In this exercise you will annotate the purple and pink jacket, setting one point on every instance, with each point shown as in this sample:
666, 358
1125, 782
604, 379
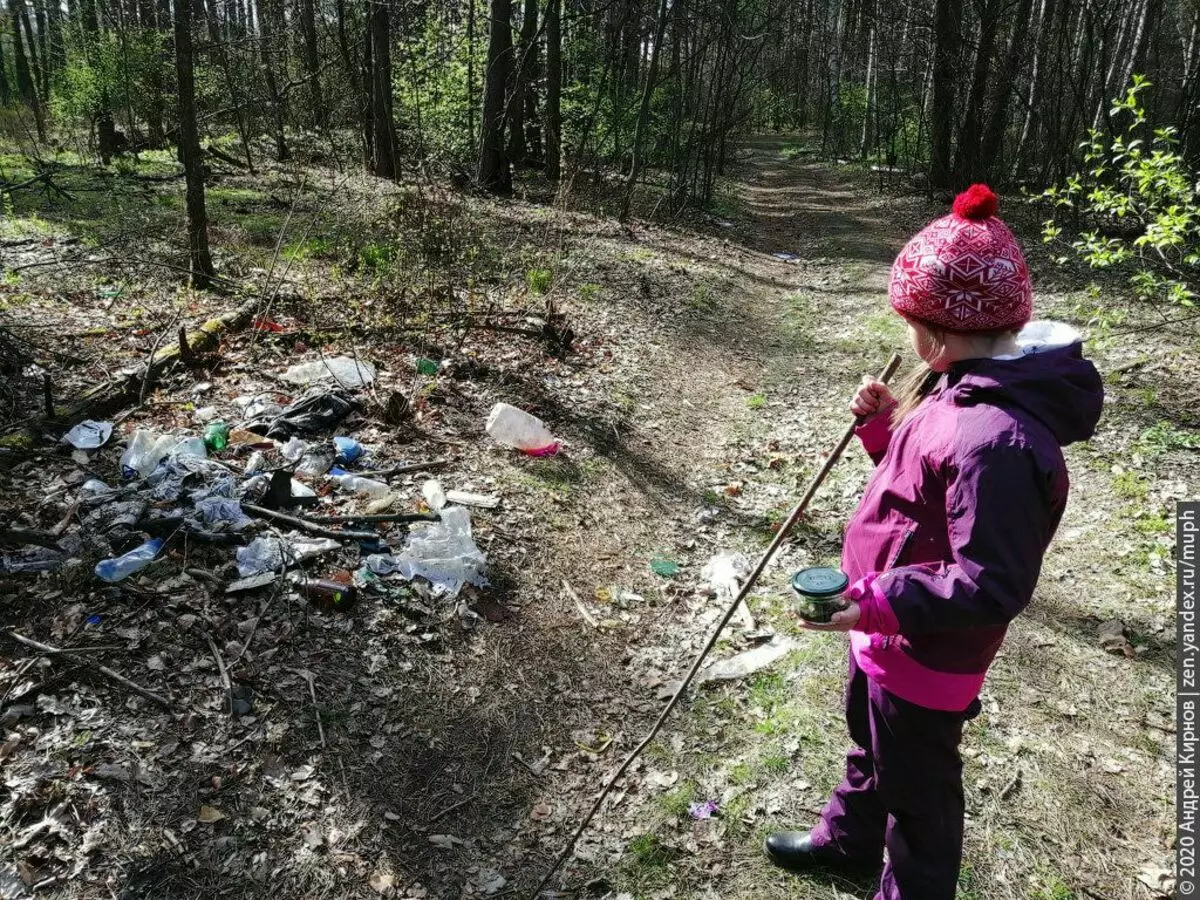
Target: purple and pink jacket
947, 543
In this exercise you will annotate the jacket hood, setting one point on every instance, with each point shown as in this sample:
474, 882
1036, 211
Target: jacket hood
1049, 379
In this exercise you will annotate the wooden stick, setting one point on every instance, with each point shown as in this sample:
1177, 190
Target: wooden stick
386, 517
408, 467
216, 652
103, 670
264, 513
312, 692
780, 536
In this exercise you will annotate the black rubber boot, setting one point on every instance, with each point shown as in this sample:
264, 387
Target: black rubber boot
794, 851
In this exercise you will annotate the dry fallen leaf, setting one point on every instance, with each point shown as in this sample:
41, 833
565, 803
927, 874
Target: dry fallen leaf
210, 814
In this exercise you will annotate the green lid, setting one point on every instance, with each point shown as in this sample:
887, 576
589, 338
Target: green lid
820, 581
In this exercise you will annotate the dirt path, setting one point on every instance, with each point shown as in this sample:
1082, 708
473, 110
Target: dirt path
1067, 783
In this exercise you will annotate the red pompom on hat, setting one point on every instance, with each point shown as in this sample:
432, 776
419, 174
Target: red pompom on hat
964, 271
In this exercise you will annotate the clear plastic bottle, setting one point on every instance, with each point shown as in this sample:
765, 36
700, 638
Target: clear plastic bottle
356, 484
144, 452
516, 428
135, 560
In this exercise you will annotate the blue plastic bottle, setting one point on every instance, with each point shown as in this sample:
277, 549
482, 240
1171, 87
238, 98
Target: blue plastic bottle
135, 560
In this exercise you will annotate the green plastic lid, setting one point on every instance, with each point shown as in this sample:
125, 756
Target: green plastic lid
820, 582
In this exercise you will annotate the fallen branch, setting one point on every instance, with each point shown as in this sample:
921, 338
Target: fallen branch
216, 652
311, 528
383, 517
18, 537
112, 395
103, 670
407, 468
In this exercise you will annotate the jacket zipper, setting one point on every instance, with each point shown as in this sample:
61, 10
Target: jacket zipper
909, 534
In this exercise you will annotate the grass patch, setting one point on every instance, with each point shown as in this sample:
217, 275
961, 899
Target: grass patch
589, 291
677, 802
756, 401
539, 281
1129, 486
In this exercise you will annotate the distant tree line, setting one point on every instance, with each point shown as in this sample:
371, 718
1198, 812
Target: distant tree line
656, 91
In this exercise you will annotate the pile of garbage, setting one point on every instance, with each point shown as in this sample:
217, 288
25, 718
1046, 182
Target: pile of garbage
253, 489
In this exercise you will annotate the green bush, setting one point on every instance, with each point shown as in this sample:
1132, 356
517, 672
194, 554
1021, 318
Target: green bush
1136, 207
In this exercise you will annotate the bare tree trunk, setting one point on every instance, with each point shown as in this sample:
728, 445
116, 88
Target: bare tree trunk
554, 89
189, 149
383, 129
946, 38
43, 34
639, 135
495, 175
993, 133
864, 144
270, 15
312, 65
522, 92
6, 94
1034, 99
25, 57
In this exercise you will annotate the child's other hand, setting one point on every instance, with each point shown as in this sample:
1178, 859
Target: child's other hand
842, 620
872, 396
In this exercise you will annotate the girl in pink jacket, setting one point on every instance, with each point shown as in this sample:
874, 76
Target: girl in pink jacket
947, 542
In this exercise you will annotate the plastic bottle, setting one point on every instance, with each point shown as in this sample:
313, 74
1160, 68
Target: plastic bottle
516, 428
356, 484
135, 560
216, 436
192, 446
144, 452
348, 450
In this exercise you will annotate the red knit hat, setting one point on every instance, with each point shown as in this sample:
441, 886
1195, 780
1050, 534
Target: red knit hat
964, 271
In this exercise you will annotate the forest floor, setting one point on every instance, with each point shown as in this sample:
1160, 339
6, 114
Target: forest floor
447, 749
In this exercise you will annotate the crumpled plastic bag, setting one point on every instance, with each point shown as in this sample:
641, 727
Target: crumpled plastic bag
89, 435
263, 554
444, 553
342, 370
318, 409
220, 512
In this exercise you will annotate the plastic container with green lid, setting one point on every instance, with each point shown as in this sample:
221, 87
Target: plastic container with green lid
819, 593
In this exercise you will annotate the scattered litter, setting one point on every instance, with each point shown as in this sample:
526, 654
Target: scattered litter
435, 497
32, 561
724, 573
427, 366
383, 563
342, 369
520, 430
293, 449
113, 570
703, 810
93, 489
348, 450
263, 554
316, 460
219, 511
480, 501
216, 436
357, 484
145, 451
786, 257
256, 463
252, 582
748, 662
445, 553
667, 568
89, 435
318, 409
304, 549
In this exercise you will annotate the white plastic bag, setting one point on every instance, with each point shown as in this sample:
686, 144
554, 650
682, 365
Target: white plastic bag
444, 553
342, 369
516, 428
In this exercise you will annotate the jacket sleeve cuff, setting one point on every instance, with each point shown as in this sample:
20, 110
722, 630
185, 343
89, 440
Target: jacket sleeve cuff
876, 432
875, 612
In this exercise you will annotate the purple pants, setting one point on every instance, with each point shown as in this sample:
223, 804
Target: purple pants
902, 790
